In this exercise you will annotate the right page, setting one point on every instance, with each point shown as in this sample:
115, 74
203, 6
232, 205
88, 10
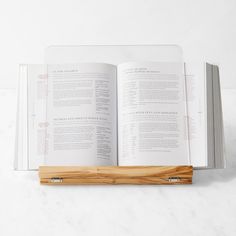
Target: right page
152, 127
196, 94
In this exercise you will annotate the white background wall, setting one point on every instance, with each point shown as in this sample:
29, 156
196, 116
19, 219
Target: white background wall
206, 29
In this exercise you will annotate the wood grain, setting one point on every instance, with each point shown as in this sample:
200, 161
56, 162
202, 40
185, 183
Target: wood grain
64, 175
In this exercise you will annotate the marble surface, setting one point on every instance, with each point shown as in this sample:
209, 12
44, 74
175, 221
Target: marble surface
208, 207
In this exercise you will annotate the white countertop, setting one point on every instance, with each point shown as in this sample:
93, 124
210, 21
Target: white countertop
208, 207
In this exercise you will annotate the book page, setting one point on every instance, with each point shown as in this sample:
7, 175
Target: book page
36, 114
195, 74
21, 161
151, 114
81, 115
31, 115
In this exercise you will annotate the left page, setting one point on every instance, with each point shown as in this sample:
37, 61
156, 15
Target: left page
81, 115
31, 126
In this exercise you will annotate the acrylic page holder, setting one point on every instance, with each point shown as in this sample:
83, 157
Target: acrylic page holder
114, 54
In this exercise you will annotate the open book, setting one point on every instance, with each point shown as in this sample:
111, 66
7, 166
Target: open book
136, 113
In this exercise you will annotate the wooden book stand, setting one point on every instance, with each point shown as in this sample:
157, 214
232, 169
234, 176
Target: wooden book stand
81, 175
